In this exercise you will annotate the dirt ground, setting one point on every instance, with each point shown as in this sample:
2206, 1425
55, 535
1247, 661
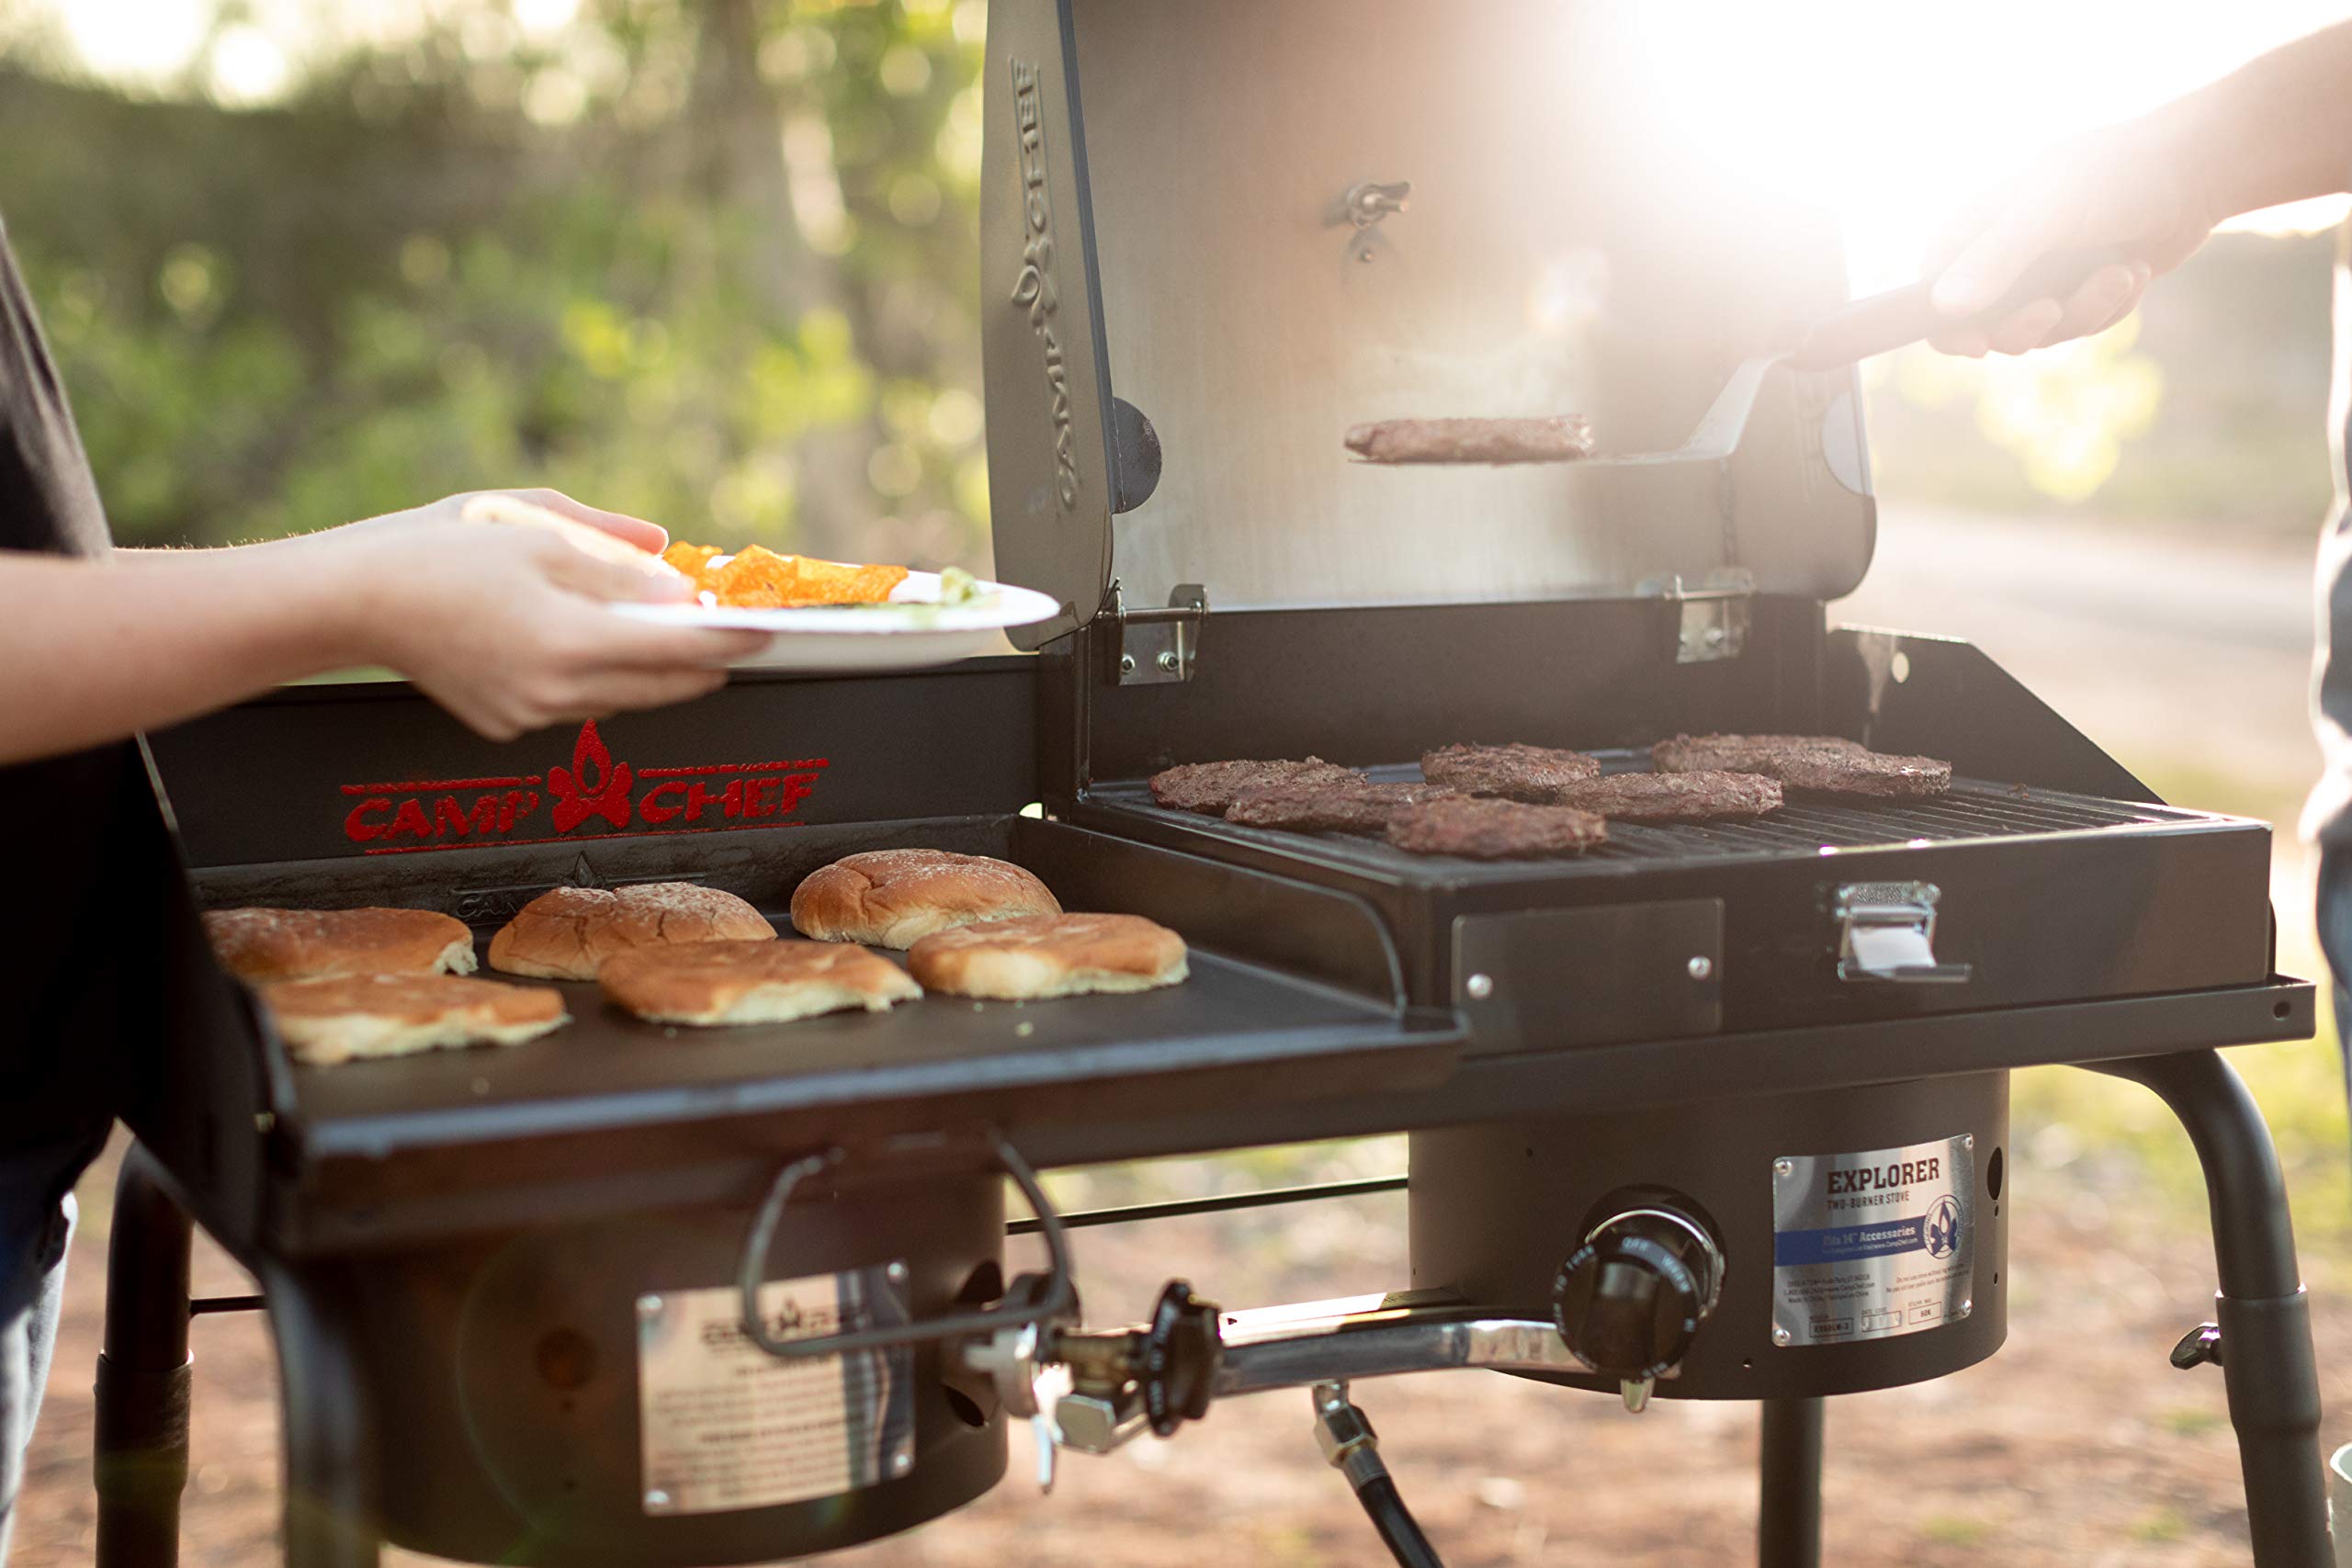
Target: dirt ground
2076, 1445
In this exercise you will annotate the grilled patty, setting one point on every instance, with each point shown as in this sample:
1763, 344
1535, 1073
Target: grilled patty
1211, 787
1319, 806
1556, 439
1515, 772
1674, 797
1824, 764
1494, 830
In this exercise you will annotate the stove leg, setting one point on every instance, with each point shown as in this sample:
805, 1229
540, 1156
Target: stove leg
140, 1448
330, 1435
1788, 1516
2265, 1318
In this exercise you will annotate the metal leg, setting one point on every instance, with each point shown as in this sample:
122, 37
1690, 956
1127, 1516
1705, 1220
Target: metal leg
1788, 1515
331, 1509
2266, 1340
139, 1461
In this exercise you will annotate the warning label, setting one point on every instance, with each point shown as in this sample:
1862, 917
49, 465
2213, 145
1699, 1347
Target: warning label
724, 1425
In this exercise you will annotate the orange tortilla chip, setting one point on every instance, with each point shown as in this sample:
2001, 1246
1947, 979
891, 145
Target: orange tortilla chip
692, 561
760, 578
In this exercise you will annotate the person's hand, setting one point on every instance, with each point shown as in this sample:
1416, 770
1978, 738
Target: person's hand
486, 504
492, 604
2132, 188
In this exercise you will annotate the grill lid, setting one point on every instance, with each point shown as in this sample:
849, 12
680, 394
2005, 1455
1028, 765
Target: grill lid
1222, 236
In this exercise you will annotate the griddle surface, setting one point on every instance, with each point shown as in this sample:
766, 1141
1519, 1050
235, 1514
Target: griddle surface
605, 1068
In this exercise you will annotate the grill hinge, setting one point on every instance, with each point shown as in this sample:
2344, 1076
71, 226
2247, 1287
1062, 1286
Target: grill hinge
1886, 930
1155, 647
1711, 612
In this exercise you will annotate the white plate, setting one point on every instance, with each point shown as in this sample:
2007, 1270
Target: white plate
912, 631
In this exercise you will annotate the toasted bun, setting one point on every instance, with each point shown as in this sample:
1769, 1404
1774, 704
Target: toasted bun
1049, 955
567, 934
347, 1017
751, 982
261, 945
896, 898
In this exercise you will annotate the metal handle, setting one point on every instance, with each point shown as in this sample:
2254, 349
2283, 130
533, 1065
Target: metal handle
1880, 323
1056, 1298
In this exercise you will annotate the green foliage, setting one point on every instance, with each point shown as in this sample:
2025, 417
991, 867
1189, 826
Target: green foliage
706, 264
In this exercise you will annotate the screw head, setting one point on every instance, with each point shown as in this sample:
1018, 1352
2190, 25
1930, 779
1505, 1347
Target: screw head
649, 1306
1968, 1306
1969, 1141
1126, 664
1167, 660
1780, 1335
1784, 1168
1701, 967
902, 1462
1478, 987
657, 1498
1364, 254
896, 1273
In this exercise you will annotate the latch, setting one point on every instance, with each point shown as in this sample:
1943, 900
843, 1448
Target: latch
1886, 930
1155, 647
1713, 612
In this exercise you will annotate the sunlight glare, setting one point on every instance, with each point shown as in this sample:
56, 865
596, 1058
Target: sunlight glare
136, 39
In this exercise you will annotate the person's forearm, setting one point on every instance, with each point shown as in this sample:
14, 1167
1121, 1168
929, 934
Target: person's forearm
2278, 128
95, 650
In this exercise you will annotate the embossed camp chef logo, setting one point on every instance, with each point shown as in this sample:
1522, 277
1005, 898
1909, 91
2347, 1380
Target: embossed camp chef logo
1033, 289
591, 796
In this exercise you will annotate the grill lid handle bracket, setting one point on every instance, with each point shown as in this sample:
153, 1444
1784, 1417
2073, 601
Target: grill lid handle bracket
1886, 932
1711, 612
1157, 647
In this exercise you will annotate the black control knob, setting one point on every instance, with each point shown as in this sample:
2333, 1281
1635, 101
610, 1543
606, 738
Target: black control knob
1630, 1300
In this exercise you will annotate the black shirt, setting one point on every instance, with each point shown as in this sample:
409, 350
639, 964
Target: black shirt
78, 830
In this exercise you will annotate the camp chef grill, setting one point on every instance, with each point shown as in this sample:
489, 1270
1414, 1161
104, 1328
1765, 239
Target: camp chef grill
1714, 1111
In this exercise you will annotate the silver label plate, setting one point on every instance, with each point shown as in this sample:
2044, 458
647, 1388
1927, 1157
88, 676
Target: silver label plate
1870, 1244
723, 1425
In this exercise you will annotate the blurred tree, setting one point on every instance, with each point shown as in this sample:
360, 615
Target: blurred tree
706, 260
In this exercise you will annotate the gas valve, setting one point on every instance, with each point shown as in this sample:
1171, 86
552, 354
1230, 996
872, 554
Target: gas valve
1629, 1301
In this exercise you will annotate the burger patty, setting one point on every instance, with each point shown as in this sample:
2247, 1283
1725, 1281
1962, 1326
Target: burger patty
1320, 807
1494, 830
1824, 764
1557, 438
1211, 787
1674, 797
1515, 772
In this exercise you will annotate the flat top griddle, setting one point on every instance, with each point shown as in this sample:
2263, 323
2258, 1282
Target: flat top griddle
607, 1069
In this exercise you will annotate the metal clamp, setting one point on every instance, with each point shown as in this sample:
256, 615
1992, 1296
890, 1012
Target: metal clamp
1713, 614
1366, 202
1156, 646
1886, 932
1058, 1296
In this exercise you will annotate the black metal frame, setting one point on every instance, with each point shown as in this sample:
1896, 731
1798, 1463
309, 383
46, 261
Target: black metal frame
141, 1458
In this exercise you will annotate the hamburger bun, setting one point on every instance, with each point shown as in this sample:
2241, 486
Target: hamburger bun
751, 982
567, 933
1049, 955
261, 945
896, 898
345, 1018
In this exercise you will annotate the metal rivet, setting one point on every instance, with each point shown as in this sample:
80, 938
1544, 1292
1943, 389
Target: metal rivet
1969, 1142
649, 1306
1967, 1306
896, 1273
1784, 1167
1167, 660
1701, 967
1364, 254
1126, 664
1478, 987
902, 1462
657, 1498
1780, 1336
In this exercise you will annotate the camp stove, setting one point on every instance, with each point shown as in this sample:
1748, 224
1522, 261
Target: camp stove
1714, 1111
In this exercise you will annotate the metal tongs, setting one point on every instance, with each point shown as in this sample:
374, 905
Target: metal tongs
1875, 324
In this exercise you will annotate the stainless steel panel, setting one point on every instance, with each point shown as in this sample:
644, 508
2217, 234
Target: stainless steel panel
1560, 250
1589, 976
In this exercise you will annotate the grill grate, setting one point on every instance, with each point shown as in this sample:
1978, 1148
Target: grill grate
1974, 808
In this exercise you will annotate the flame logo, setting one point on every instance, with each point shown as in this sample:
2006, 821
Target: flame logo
576, 799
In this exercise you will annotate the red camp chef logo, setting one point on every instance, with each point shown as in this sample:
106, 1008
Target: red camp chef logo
593, 797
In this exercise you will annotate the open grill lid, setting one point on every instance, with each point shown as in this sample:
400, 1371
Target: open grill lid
1213, 239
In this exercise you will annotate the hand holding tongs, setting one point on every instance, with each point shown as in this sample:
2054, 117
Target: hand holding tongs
1878, 323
